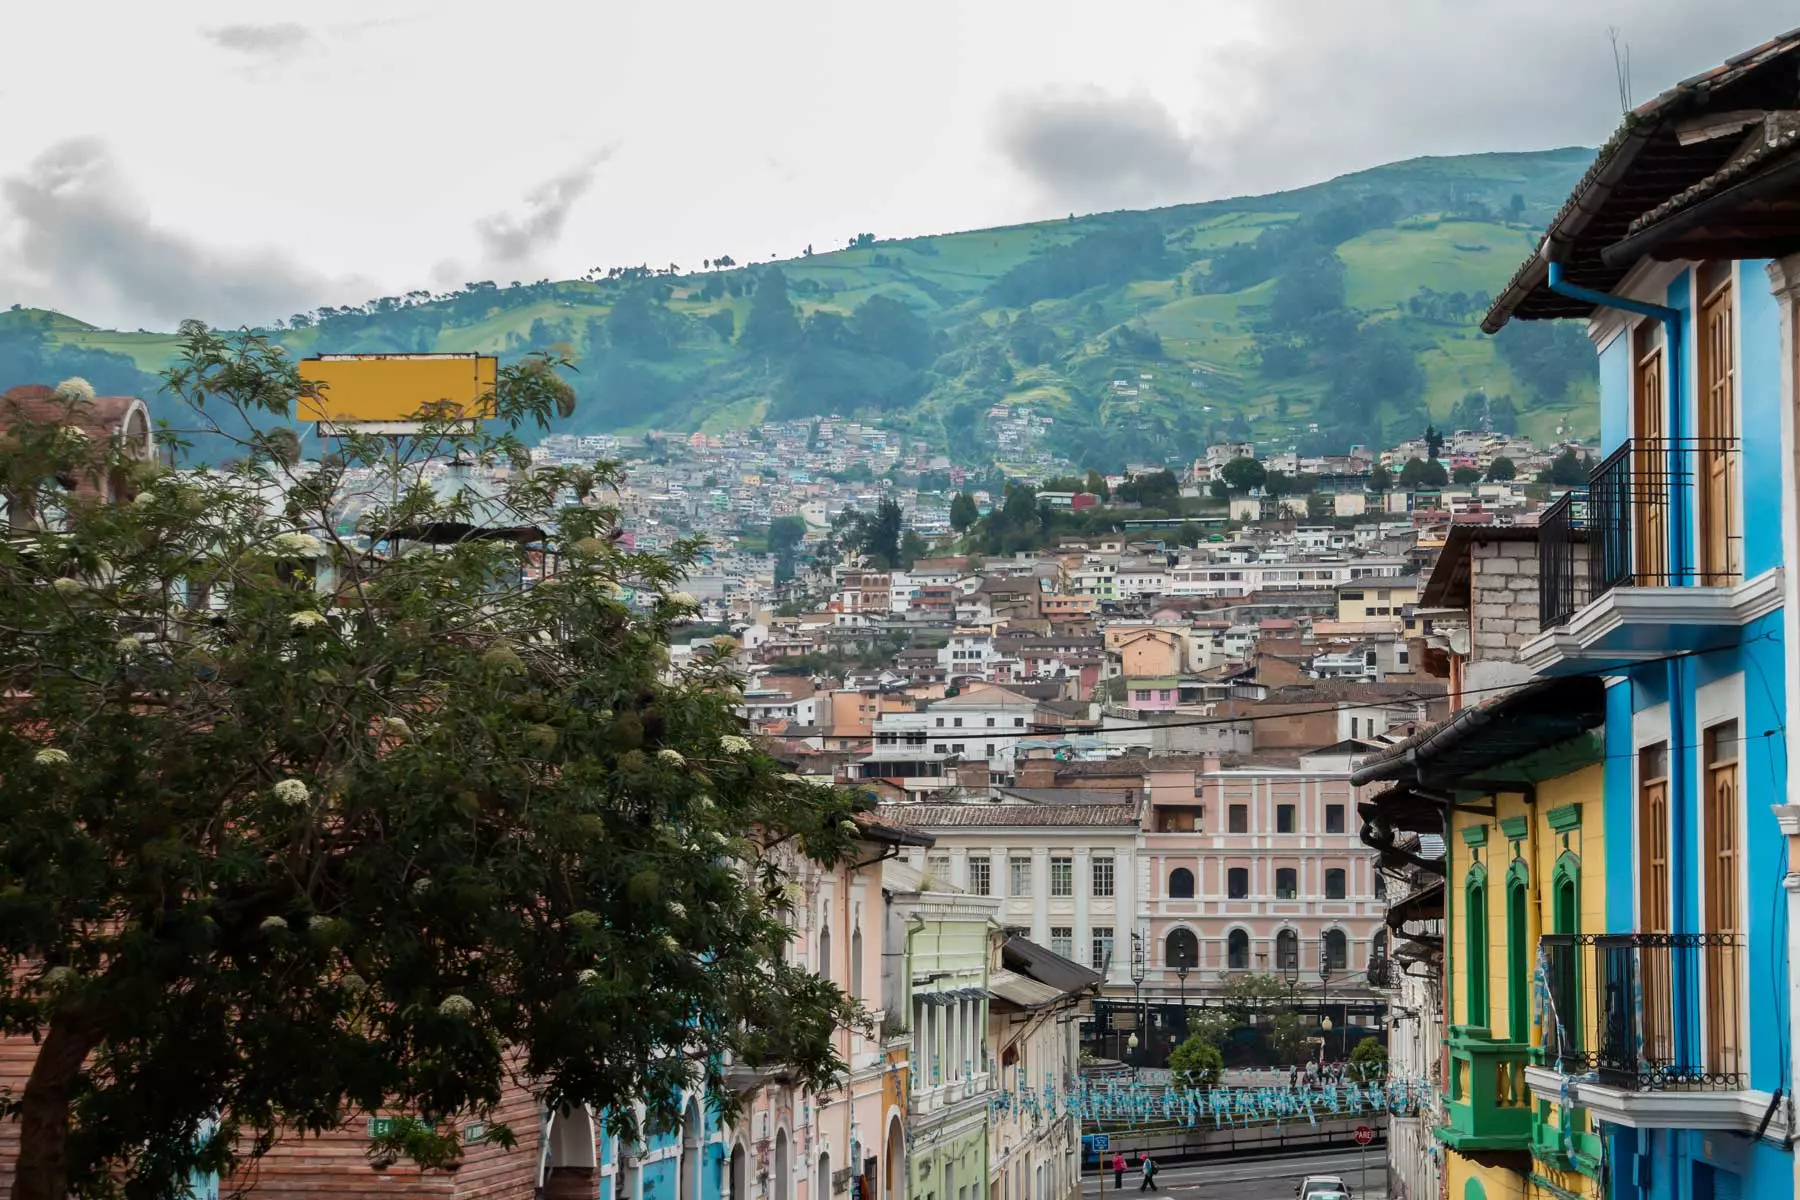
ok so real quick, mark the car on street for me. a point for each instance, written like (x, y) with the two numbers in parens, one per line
(1322, 1187)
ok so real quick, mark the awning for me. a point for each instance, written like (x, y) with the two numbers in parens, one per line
(1047, 967)
(1533, 718)
(1011, 990)
(1425, 904)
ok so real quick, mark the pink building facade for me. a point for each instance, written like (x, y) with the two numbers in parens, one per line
(1272, 870)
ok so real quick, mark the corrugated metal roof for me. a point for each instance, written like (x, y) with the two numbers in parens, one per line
(1017, 990)
(1047, 966)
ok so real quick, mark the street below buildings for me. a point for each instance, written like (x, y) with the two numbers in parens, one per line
(1256, 1179)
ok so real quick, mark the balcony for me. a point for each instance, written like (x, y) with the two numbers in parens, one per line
(1653, 1026)
(1562, 559)
(1648, 559)
(1489, 1104)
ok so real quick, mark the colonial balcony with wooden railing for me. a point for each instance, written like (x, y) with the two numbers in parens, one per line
(1488, 1104)
(1646, 559)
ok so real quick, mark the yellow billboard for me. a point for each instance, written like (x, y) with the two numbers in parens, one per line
(388, 389)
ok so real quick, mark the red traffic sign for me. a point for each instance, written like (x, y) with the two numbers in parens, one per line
(1364, 1135)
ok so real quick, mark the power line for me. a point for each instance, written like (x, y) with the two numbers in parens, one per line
(1039, 729)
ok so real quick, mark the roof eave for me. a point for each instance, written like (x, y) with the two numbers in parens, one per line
(1613, 161)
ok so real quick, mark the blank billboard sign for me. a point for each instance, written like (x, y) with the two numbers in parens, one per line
(377, 390)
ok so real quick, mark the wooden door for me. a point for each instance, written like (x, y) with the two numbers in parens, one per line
(1653, 900)
(1724, 853)
(1649, 501)
(1717, 457)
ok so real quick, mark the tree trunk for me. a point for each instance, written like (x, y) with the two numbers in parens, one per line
(41, 1171)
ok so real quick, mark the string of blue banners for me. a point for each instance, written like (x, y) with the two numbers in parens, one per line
(1128, 1102)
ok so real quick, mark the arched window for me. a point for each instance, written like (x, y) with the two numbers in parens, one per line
(1565, 917)
(856, 964)
(1181, 884)
(1334, 883)
(1287, 883)
(1476, 940)
(1337, 950)
(822, 1177)
(1237, 950)
(1181, 949)
(824, 964)
(1287, 949)
(1518, 970)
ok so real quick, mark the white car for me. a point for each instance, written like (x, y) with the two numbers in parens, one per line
(1322, 1187)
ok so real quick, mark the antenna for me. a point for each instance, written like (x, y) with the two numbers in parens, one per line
(1621, 67)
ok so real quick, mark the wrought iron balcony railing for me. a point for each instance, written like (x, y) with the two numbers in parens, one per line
(1659, 512)
(1562, 577)
(1646, 1011)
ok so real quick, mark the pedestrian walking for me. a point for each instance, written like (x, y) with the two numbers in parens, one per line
(1118, 1171)
(1149, 1183)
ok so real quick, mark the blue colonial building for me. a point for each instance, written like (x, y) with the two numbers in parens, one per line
(1666, 576)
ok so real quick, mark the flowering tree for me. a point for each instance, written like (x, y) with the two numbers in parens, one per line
(315, 799)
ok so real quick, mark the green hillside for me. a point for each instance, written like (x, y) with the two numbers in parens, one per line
(1337, 313)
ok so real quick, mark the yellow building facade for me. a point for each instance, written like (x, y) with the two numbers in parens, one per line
(1522, 864)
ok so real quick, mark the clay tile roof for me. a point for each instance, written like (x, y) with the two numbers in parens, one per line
(1640, 167)
(1743, 167)
(101, 417)
(989, 815)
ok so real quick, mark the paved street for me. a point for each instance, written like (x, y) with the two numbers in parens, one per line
(1254, 1179)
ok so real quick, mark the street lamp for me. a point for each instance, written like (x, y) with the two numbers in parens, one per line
(1324, 990)
(1139, 968)
(1181, 973)
(1290, 971)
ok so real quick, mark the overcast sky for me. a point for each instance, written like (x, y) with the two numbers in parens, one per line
(241, 160)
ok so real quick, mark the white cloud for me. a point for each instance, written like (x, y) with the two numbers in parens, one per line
(368, 140)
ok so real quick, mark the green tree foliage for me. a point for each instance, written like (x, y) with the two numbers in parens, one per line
(640, 326)
(1503, 415)
(1567, 469)
(1129, 249)
(1502, 470)
(1095, 484)
(1423, 473)
(1434, 443)
(878, 536)
(1368, 1060)
(1547, 356)
(1244, 475)
(354, 835)
(785, 536)
(1380, 367)
(1196, 1063)
(875, 356)
(1287, 1038)
(1380, 479)
(886, 328)
(963, 512)
(1137, 341)
(1463, 476)
(771, 325)
(1156, 489)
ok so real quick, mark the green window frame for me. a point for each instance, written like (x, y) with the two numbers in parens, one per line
(1565, 914)
(1518, 953)
(1476, 941)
